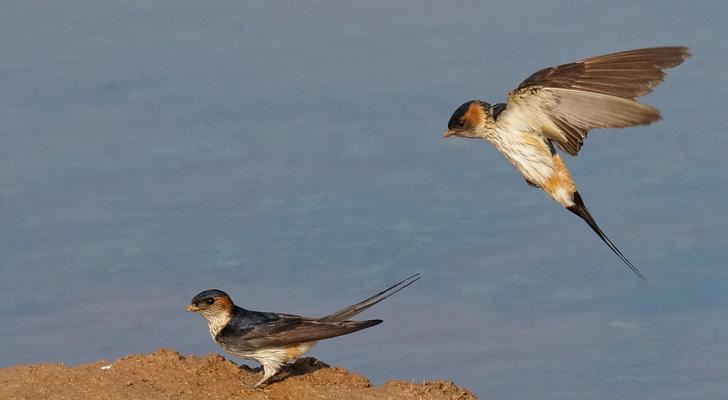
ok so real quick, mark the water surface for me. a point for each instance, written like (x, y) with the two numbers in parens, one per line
(292, 156)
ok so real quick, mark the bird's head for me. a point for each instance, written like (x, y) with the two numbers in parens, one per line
(212, 304)
(469, 120)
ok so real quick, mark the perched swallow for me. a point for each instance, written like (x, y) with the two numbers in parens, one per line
(273, 339)
(557, 106)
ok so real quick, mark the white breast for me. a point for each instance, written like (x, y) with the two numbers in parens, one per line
(271, 357)
(525, 149)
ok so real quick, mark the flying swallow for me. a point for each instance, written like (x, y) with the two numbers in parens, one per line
(273, 339)
(557, 106)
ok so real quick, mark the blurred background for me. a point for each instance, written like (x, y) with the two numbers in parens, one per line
(291, 155)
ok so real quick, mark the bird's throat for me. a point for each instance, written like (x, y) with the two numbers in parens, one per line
(216, 322)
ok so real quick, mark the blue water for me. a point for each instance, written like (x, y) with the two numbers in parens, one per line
(292, 156)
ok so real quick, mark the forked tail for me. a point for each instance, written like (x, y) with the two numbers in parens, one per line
(580, 209)
(352, 310)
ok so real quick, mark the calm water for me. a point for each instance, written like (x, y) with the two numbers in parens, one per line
(292, 157)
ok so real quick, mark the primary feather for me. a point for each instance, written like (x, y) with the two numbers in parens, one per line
(566, 101)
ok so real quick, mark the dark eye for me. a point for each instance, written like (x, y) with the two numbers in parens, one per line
(210, 300)
(461, 123)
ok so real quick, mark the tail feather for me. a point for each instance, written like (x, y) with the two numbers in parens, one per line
(348, 312)
(580, 209)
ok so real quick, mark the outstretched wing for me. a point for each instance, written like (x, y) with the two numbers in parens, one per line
(565, 101)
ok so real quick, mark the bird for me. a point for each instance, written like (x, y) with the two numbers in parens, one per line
(557, 106)
(274, 339)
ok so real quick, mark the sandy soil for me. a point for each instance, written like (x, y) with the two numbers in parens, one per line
(168, 375)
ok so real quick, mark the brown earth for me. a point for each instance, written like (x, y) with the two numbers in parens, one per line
(168, 375)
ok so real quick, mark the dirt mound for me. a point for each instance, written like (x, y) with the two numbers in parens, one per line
(168, 375)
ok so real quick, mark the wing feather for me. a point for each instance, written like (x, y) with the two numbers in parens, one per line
(565, 101)
(291, 330)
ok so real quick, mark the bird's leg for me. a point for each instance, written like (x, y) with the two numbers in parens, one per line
(268, 372)
(531, 184)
